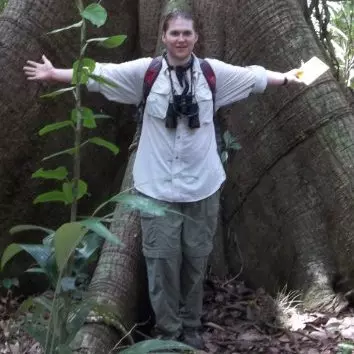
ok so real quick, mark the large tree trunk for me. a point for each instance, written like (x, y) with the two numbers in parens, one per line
(289, 193)
(23, 27)
(288, 197)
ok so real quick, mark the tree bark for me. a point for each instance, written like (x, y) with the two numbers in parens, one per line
(289, 192)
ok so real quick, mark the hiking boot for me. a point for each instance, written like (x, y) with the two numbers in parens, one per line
(158, 334)
(192, 337)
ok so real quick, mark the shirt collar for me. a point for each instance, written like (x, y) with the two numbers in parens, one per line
(196, 65)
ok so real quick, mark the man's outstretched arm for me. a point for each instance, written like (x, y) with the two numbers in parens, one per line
(46, 71)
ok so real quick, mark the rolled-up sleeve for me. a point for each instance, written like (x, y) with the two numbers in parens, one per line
(234, 83)
(128, 78)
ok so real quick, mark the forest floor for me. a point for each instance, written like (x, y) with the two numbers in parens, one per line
(236, 320)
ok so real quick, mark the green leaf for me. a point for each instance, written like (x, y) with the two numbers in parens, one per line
(103, 80)
(68, 283)
(75, 25)
(109, 42)
(138, 202)
(87, 67)
(96, 14)
(77, 317)
(7, 283)
(36, 271)
(70, 151)
(43, 302)
(68, 190)
(148, 346)
(114, 41)
(25, 305)
(86, 115)
(38, 331)
(101, 231)
(64, 349)
(59, 173)
(89, 245)
(108, 145)
(20, 228)
(53, 196)
(9, 253)
(55, 126)
(235, 146)
(66, 239)
(40, 253)
(224, 156)
(58, 92)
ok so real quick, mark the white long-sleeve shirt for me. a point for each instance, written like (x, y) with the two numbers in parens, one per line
(182, 164)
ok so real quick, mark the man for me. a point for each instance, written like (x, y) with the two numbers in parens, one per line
(177, 163)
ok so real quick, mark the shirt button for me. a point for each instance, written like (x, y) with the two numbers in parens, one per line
(176, 157)
(178, 137)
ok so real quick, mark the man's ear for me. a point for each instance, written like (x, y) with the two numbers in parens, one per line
(163, 37)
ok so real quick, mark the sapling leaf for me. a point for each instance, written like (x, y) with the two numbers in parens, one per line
(58, 92)
(109, 42)
(66, 239)
(9, 253)
(75, 25)
(103, 80)
(40, 253)
(224, 156)
(101, 230)
(7, 283)
(96, 14)
(44, 302)
(153, 345)
(36, 271)
(68, 284)
(235, 146)
(53, 196)
(141, 203)
(87, 116)
(59, 173)
(77, 316)
(68, 190)
(25, 305)
(87, 67)
(20, 228)
(55, 126)
(108, 145)
(114, 41)
(64, 349)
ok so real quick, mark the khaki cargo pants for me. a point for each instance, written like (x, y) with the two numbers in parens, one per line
(176, 249)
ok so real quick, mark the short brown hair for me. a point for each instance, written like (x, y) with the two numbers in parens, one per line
(176, 14)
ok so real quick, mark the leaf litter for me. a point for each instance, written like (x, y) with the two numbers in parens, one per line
(236, 320)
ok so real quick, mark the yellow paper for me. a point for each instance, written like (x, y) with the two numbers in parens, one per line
(312, 70)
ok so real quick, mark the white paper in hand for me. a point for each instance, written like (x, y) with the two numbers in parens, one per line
(311, 70)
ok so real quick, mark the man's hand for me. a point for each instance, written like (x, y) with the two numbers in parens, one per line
(39, 71)
(293, 76)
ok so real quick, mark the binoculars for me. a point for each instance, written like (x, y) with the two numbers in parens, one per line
(183, 106)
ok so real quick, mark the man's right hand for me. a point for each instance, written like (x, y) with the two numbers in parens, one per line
(39, 71)
(46, 71)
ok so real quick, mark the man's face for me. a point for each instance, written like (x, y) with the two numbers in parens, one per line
(179, 39)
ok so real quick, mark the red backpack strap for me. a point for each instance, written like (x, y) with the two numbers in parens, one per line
(151, 75)
(209, 75)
